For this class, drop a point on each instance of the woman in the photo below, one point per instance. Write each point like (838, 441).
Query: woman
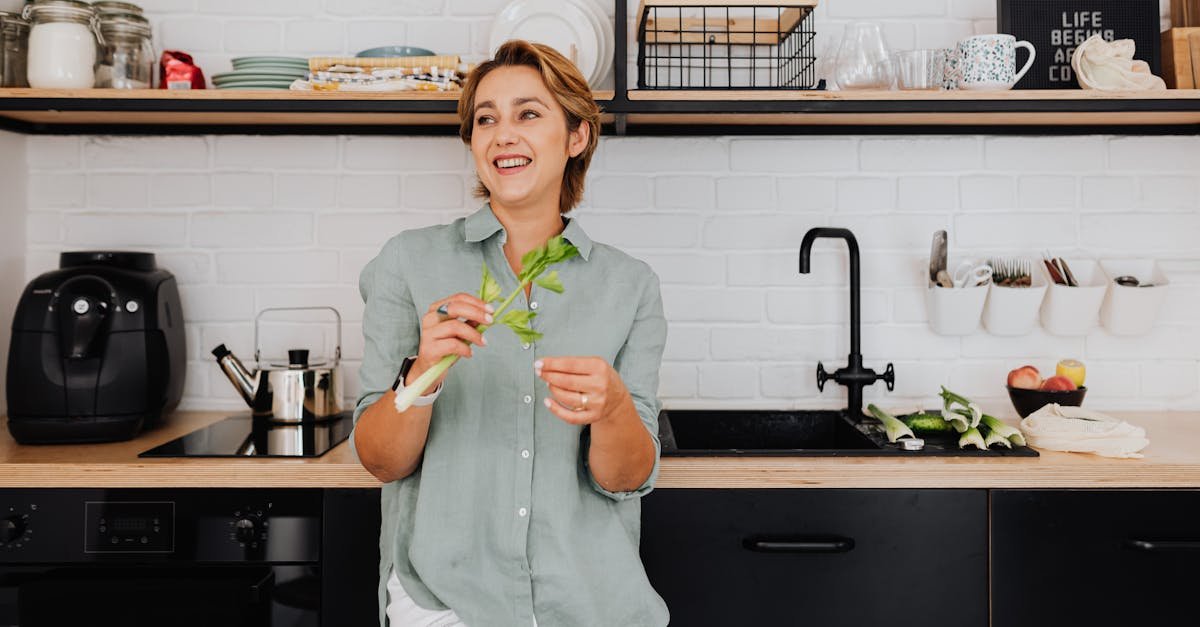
(511, 486)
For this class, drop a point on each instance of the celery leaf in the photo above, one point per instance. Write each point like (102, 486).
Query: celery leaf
(550, 282)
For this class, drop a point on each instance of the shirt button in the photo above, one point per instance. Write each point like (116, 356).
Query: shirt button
(521, 512)
(526, 345)
(528, 399)
(525, 454)
(533, 305)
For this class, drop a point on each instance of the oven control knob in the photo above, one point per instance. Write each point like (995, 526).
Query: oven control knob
(12, 528)
(246, 530)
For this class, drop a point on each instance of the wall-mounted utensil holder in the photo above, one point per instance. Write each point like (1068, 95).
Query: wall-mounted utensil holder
(1011, 310)
(1074, 311)
(954, 310)
(1132, 309)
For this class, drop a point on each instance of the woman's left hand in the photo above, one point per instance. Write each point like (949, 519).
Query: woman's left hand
(583, 390)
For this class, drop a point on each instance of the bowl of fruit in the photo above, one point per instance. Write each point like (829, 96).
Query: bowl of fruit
(1030, 392)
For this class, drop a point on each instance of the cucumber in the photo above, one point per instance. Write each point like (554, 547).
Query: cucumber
(928, 423)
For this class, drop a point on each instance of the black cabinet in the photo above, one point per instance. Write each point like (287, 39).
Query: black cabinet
(818, 558)
(1095, 557)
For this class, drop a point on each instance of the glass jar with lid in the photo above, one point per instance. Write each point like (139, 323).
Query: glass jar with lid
(105, 7)
(62, 44)
(126, 56)
(14, 46)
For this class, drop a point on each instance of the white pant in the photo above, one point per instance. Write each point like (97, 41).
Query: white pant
(402, 611)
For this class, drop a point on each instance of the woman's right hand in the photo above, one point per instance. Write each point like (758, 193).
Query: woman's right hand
(450, 334)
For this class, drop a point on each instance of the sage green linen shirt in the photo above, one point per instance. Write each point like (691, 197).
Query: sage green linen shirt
(503, 519)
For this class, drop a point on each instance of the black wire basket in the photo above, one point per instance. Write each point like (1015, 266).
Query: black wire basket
(726, 46)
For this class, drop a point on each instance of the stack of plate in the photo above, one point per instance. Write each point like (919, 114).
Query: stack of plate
(576, 28)
(262, 73)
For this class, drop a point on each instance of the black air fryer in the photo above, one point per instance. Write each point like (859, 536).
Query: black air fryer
(97, 350)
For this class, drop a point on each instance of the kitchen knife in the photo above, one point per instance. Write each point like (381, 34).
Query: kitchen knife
(937, 255)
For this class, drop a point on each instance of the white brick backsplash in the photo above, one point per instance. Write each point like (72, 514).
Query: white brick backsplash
(619, 192)
(746, 192)
(1038, 344)
(776, 344)
(728, 381)
(370, 230)
(53, 152)
(1054, 230)
(118, 191)
(826, 268)
(796, 156)
(180, 190)
(801, 194)
(824, 306)
(243, 189)
(406, 155)
(251, 230)
(684, 192)
(905, 231)
(360, 8)
(192, 34)
(243, 36)
(686, 343)
(372, 33)
(344, 298)
(866, 195)
(1155, 154)
(1165, 342)
(1106, 380)
(677, 380)
(941, 33)
(353, 260)
(727, 305)
(274, 268)
(643, 230)
(441, 35)
(311, 37)
(43, 227)
(1170, 192)
(888, 270)
(972, 9)
(1169, 380)
(653, 155)
(1044, 154)
(874, 9)
(118, 230)
(188, 268)
(789, 382)
(987, 192)
(434, 191)
(1155, 233)
(149, 152)
(368, 191)
(883, 341)
(758, 231)
(959, 153)
(270, 153)
(687, 269)
(305, 191)
(927, 193)
(1046, 192)
(260, 7)
(1105, 193)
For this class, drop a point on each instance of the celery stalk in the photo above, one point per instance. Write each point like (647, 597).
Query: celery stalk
(533, 264)
(1006, 431)
(972, 437)
(894, 428)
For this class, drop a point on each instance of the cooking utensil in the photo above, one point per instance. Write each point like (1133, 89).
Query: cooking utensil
(1011, 271)
(971, 274)
(937, 255)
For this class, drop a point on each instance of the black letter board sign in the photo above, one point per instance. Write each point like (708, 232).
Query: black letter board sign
(1055, 27)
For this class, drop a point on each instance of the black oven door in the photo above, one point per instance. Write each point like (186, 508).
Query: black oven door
(153, 595)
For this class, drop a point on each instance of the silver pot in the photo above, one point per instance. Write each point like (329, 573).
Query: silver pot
(291, 391)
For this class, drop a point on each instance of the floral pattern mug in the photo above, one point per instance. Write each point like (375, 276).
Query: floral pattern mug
(986, 62)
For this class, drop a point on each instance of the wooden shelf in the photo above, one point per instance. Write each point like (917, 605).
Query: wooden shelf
(709, 112)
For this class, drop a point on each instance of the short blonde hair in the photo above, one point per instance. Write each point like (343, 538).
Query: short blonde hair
(569, 88)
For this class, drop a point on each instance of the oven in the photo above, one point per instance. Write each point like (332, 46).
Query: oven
(228, 557)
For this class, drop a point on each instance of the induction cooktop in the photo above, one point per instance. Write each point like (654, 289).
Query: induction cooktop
(242, 435)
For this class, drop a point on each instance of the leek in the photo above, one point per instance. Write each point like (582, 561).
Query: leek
(994, 437)
(895, 429)
(972, 437)
(533, 264)
(949, 400)
(1010, 433)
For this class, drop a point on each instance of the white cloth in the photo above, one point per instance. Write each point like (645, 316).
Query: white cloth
(1077, 430)
(402, 611)
(1101, 64)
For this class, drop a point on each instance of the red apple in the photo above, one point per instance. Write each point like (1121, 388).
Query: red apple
(1025, 377)
(1058, 383)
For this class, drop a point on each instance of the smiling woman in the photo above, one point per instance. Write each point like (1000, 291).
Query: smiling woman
(511, 483)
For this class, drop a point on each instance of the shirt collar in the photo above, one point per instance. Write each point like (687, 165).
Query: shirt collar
(483, 224)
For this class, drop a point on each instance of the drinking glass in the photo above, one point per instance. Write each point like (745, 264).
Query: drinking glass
(920, 69)
(863, 60)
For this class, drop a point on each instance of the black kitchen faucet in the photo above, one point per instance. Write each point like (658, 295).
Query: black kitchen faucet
(853, 376)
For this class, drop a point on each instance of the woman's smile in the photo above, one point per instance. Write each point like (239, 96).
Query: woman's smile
(509, 164)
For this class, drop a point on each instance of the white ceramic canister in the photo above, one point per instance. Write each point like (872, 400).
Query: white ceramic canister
(62, 44)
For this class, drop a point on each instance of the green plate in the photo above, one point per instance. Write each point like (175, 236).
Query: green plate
(283, 60)
(272, 67)
(244, 83)
(251, 87)
(255, 75)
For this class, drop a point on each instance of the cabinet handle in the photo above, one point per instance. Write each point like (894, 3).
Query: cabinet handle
(801, 544)
(1158, 546)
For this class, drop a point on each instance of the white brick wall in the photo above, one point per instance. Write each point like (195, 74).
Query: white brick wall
(252, 222)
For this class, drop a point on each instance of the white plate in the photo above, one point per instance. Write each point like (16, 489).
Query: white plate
(604, 31)
(553, 23)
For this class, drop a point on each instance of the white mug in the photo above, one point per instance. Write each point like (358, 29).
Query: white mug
(988, 62)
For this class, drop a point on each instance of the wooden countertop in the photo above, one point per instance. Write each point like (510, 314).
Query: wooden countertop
(1172, 461)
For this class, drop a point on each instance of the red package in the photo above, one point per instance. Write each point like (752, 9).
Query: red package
(177, 71)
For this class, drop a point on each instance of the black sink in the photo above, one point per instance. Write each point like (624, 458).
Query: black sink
(766, 432)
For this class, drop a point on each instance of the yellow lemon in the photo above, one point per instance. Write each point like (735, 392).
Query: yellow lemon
(1072, 369)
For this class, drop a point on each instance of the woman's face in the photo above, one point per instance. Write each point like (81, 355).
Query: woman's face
(520, 139)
